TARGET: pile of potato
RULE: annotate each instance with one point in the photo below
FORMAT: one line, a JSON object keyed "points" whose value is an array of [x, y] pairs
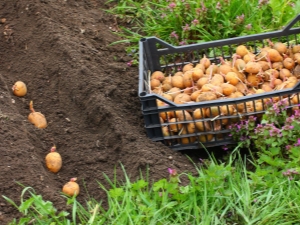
{"points": [[274, 67]]}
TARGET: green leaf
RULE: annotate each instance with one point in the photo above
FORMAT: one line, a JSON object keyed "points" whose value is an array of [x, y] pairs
{"points": [[161, 184], [185, 189], [116, 192], [295, 151], [274, 150], [26, 205], [139, 185], [267, 159]]}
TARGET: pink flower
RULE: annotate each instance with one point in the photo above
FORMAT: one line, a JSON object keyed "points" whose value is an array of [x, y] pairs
{"points": [[174, 35], [218, 6], [248, 26], [183, 42], [240, 19], [186, 27], [172, 172], [130, 63], [298, 142], [172, 5], [195, 22]]}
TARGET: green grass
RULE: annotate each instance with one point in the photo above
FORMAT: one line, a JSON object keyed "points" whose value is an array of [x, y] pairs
{"points": [[221, 193]]}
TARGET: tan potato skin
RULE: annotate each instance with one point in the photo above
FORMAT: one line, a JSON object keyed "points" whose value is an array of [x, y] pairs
{"points": [[71, 189], [53, 161], [38, 119], [19, 89]]}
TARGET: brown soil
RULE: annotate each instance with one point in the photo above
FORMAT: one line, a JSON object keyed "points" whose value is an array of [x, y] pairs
{"points": [[88, 94]]}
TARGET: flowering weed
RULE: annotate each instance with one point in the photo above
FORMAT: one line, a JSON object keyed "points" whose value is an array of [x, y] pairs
{"points": [[275, 139], [181, 22]]}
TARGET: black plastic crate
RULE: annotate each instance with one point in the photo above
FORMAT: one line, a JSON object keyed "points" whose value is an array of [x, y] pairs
{"points": [[211, 130]]}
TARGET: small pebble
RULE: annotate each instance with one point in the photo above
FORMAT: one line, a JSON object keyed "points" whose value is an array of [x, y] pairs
{"points": [[170, 157]]}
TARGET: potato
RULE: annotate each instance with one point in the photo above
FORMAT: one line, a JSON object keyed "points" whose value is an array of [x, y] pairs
{"points": [[179, 73], [253, 80], [53, 160], [183, 115], [154, 83], [174, 91], [187, 67], [177, 81], [217, 79], [296, 49], [227, 109], [200, 66], [207, 87], [264, 65], [195, 94], [205, 61], [249, 57], [175, 127], [240, 64], [277, 65], [241, 87], [280, 47], [206, 138], [186, 140], [274, 55], [284, 74], [19, 89], [197, 74], [224, 68], [166, 87], [191, 128], [206, 96], [253, 67], [36, 118], [232, 78], [202, 81], [271, 74], [166, 131], [203, 126], [188, 79], [241, 75], [212, 69], [266, 87], [212, 112], [228, 89], [289, 63], [199, 113], [241, 50], [182, 98], [71, 188], [158, 75]]}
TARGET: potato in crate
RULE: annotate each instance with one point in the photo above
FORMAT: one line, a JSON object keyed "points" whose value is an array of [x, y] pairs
{"points": [[192, 94]]}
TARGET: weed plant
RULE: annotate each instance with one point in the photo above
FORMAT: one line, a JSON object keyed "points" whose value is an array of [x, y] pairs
{"points": [[181, 22], [275, 139]]}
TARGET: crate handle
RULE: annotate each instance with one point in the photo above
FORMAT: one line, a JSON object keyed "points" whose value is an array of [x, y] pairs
{"points": [[292, 23], [152, 41]]}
